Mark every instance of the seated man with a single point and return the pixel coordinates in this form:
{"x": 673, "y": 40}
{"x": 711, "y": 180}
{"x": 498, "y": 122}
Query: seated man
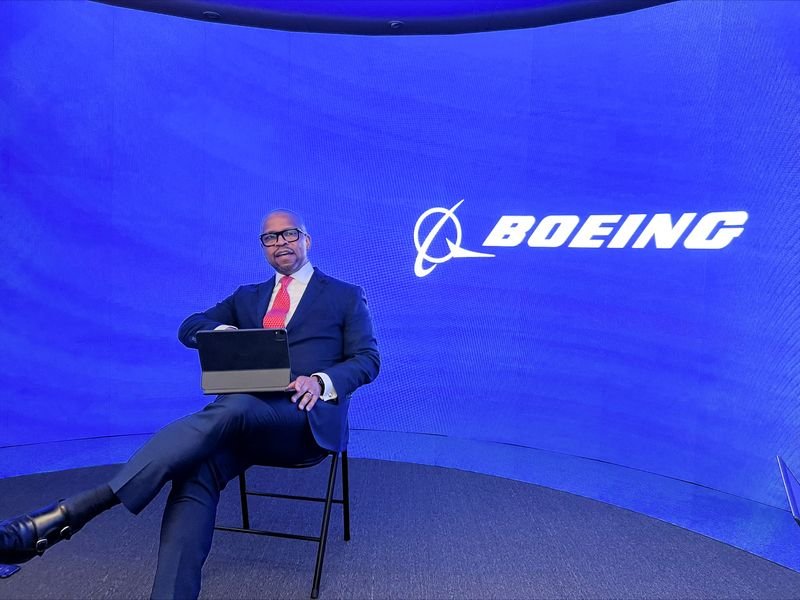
{"x": 331, "y": 345}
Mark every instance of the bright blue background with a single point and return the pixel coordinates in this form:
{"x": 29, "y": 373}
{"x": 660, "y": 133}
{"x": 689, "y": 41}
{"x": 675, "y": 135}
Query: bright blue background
{"x": 140, "y": 151}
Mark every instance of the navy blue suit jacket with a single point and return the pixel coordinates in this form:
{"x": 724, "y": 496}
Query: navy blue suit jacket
{"x": 330, "y": 331}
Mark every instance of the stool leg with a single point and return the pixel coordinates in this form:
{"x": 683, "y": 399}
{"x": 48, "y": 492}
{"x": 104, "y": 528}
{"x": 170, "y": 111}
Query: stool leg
{"x": 243, "y": 497}
{"x": 346, "y": 496}
{"x": 323, "y": 536}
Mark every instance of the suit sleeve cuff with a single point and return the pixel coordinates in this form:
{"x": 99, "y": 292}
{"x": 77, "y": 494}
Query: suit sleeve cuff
{"x": 330, "y": 391}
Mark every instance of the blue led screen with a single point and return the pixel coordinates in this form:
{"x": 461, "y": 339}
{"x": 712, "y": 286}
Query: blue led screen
{"x": 139, "y": 153}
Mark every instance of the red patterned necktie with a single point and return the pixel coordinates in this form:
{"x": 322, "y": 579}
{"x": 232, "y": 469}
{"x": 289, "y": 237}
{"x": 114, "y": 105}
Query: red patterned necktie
{"x": 276, "y": 316}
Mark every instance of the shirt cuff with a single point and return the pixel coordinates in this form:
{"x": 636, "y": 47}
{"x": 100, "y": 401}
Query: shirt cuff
{"x": 330, "y": 391}
{"x": 225, "y": 327}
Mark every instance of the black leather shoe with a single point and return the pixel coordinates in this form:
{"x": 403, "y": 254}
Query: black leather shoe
{"x": 26, "y": 536}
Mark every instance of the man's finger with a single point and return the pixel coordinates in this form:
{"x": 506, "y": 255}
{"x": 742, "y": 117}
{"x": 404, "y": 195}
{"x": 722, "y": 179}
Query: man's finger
{"x": 308, "y": 401}
{"x": 304, "y": 399}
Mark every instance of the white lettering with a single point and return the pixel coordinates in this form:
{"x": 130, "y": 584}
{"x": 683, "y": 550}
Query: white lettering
{"x": 595, "y": 225}
{"x": 626, "y": 231}
{"x": 553, "y": 231}
{"x": 699, "y": 238}
{"x": 661, "y": 229}
{"x": 714, "y": 230}
{"x": 509, "y": 231}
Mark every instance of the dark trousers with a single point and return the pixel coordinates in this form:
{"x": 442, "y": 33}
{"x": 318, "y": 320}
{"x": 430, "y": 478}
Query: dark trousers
{"x": 200, "y": 454}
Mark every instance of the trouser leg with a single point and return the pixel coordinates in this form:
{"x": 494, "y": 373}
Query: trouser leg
{"x": 180, "y": 446}
{"x": 276, "y": 433}
{"x": 188, "y": 526}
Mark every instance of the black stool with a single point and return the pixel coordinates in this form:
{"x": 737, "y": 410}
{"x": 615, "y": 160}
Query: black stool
{"x": 328, "y": 500}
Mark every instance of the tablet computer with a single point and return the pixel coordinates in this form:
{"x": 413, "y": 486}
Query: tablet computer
{"x": 244, "y": 360}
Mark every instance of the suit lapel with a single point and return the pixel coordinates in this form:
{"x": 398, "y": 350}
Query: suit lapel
{"x": 315, "y": 287}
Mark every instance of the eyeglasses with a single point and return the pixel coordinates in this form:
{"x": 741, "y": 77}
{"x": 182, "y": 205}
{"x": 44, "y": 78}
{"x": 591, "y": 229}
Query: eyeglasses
{"x": 289, "y": 235}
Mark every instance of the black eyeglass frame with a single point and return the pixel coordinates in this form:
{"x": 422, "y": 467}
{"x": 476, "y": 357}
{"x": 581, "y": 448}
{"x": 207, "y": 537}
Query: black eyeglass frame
{"x": 282, "y": 234}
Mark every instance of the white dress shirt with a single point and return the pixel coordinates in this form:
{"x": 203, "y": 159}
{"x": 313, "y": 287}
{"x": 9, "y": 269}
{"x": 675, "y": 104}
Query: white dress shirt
{"x": 296, "y": 289}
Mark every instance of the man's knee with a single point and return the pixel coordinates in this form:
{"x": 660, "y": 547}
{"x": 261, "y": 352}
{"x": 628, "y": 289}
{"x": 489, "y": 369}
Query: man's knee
{"x": 236, "y": 404}
{"x": 228, "y": 414}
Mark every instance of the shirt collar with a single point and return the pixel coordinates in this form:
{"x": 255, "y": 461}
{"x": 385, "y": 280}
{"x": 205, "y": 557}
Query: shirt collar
{"x": 302, "y": 275}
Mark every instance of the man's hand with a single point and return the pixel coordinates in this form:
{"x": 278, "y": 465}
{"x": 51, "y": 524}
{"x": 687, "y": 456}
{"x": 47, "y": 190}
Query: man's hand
{"x": 306, "y": 390}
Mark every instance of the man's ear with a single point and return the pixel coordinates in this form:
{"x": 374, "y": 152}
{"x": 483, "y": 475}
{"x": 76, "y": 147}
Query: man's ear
{"x": 308, "y": 242}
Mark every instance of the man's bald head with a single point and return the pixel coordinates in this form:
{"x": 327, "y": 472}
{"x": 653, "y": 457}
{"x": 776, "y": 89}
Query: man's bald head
{"x": 298, "y": 220}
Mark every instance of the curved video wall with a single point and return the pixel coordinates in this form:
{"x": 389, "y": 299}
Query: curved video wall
{"x": 580, "y": 238}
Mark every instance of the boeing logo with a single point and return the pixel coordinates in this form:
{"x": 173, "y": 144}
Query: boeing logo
{"x": 712, "y": 231}
{"x": 426, "y": 263}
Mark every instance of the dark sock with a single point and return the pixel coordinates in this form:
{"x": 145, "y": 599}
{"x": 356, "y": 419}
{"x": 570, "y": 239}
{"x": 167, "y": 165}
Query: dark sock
{"x": 85, "y": 506}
